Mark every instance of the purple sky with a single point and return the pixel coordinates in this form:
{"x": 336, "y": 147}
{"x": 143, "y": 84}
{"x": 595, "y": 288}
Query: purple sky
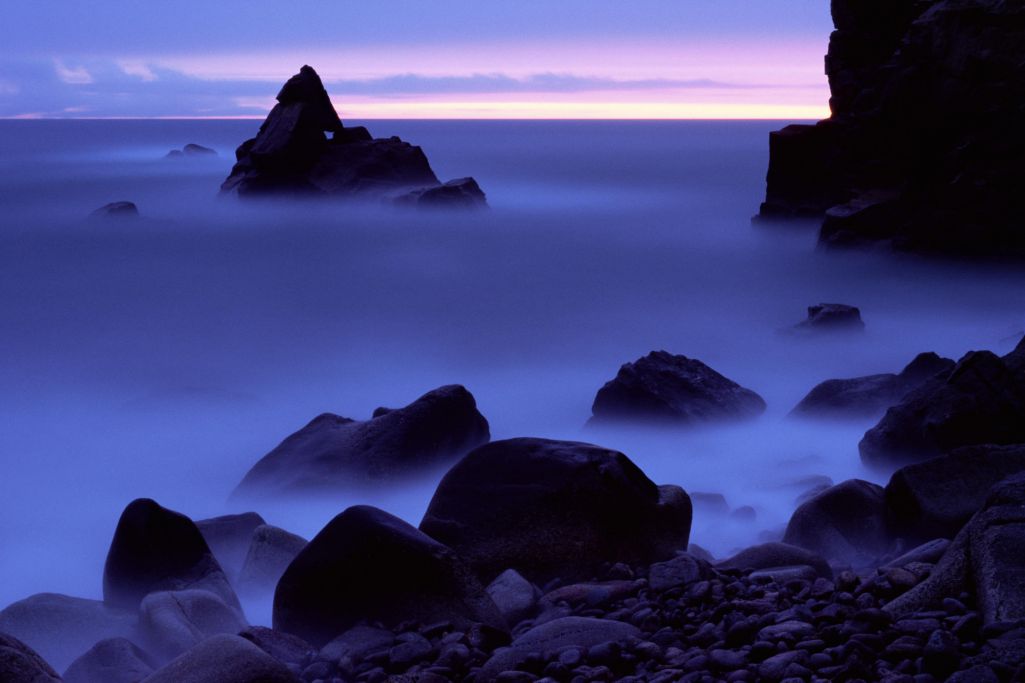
{"x": 391, "y": 58}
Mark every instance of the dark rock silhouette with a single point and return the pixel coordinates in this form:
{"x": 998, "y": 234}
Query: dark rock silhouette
{"x": 116, "y": 210}
{"x": 113, "y": 660}
{"x": 936, "y": 498}
{"x": 291, "y": 155}
{"x": 832, "y": 318}
{"x": 366, "y": 566}
{"x": 926, "y": 136}
{"x": 156, "y": 549}
{"x": 981, "y": 401}
{"x": 191, "y": 150}
{"x": 554, "y": 509}
{"x": 869, "y": 395}
{"x": 20, "y": 664}
{"x": 672, "y": 389}
{"x": 333, "y": 452}
{"x": 845, "y": 523}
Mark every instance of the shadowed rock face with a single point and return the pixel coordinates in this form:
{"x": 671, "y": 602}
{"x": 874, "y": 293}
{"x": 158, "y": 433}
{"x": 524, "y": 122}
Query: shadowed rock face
{"x": 554, "y": 509}
{"x": 334, "y": 452}
{"x": 846, "y": 523}
{"x": 927, "y": 133}
{"x": 671, "y": 389}
{"x": 293, "y": 155}
{"x": 367, "y": 565}
{"x": 20, "y": 664}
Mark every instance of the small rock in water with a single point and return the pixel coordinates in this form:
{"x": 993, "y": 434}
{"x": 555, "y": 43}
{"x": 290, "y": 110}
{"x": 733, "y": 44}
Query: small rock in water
{"x": 832, "y": 318}
{"x": 116, "y": 210}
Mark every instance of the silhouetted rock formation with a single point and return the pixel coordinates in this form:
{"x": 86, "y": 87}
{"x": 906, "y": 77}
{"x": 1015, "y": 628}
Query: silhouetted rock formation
{"x": 869, "y": 395}
{"x": 927, "y": 134}
{"x": 662, "y": 387}
{"x": 292, "y": 156}
{"x": 554, "y": 508}
{"x": 832, "y": 318}
{"x": 334, "y": 452}
{"x": 191, "y": 150}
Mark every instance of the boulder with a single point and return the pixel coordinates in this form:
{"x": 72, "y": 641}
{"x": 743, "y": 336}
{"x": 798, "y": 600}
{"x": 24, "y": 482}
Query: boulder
{"x": 173, "y": 621}
{"x": 291, "y": 155}
{"x": 845, "y": 523}
{"x": 156, "y": 549}
{"x": 114, "y": 660}
{"x": 832, "y": 318}
{"x": 21, "y": 664}
{"x": 550, "y": 638}
{"x": 334, "y": 452}
{"x": 926, "y": 133}
{"x": 61, "y": 627}
{"x": 555, "y": 509}
{"x": 981, "y": 401}
{"x": 872, "y": 394}
{"x": 223, "y": 659}
{"x": 680, "y": 571}
{"x": 775, "y": 555}
{"x": 367, "y": 565}
{"x": 662, "y": 387}
{"x": 270, "y": 552}
{"x": 229, "y": 537}
{"x": 936, "y": 498}
{"x": 117, "y": 210}
{"x": 514, "y": 596}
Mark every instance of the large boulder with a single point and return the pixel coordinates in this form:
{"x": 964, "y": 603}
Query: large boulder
{"x": 173, "y": 621}
{"x": 156, "y": 549}
{"x": 229, "y": 537}
{"x": 936, "y": 498}
{"x": 367, "y": 565}
{"x": 555, "y": 509}
{"x": 270, "y": 552}
{"x": 926, "y": 134}
{"x": 871, "y": 394}
{"x": 61, "y": 627}
{"x": 981, "y": 401}
{"x": 845, "y": 523}
{"x": 291, "y": 155}
{"x": 662, "y": 387}
{"x": 114, "y": 660}
{"x": 21, "y": 664}
{"x": 333, "y": 452}
{"x": 224, "y": 659}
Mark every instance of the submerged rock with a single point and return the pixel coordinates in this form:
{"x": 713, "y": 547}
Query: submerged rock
{"x": 334, "y": 452}
{"x": 368, "y": 566}
{"x": 116, "y": 210}
{"x": 869, "y": 395}
{"x": 662, "y": 387}
{"x": 926, "y": 136}
{"x": 554, "y": 509}
{"x": 981, "y": 401}
{"x": 156, "y": 549}
{"x": 291, "y": 155}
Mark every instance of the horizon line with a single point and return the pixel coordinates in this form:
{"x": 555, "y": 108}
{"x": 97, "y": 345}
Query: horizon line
{"x": 416, "y": 118}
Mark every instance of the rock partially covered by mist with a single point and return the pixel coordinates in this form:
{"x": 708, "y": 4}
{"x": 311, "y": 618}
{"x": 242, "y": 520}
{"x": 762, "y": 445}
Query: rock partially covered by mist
{"x": 21, "y": 664}
{"x": 118, "y": 210}
{"x": 229, "y": 537}
{"x": 769, "y": 556}
{"x": 845, "y": 523}
{"x": 981, "y": 401}
{"x": 666, "y": 388}
{"x": 224, "y": 659}
{"x": 113, "y": 660}
{"x": 156, "y": 549}
{"x": 191, "y": 150}
{"x": 270, "y": 552}
{"x": 173, "y": 621}
{"x": 832, "y": 318}
{"x": 869, "y": 395}
{"x": 555, "y": 509}
{"x": 936, "y": 498}
{"x": 926, "y": 138}
{"x": 61, "y": 627}
{"x": 369, "y": 566}
{"x": 292, "y": 156}
{"x": 334, "y": 452}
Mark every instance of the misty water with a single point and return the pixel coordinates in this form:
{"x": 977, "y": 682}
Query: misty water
{"x": 163, "y": 357}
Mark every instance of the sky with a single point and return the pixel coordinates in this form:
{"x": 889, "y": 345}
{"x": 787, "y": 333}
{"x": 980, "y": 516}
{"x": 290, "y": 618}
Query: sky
{"x": 418, "y": 59}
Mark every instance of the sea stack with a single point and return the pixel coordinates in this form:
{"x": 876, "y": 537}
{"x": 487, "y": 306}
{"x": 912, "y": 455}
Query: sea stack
{"x": 303, "y": 150}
